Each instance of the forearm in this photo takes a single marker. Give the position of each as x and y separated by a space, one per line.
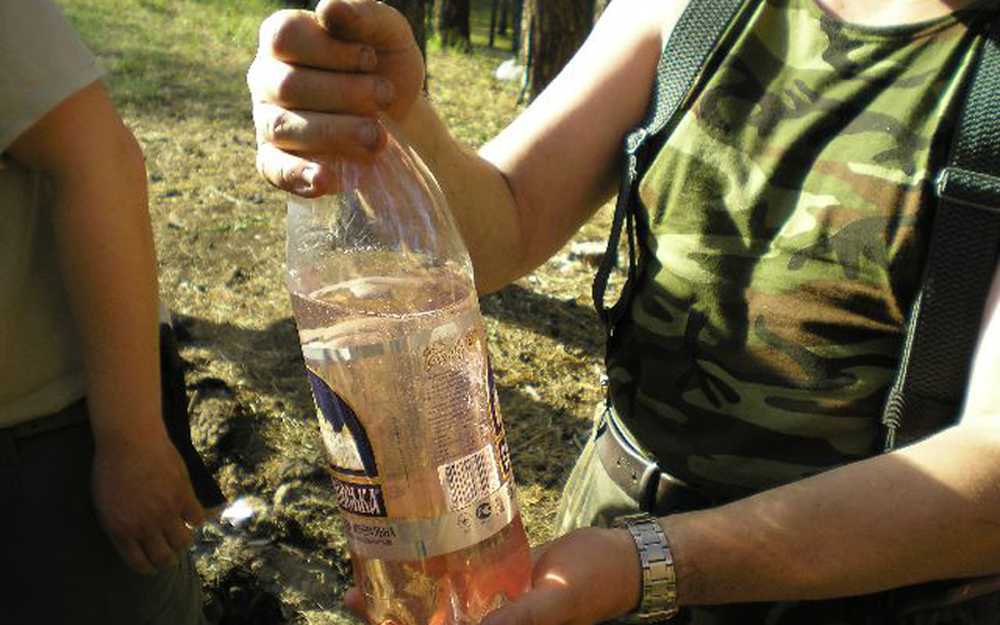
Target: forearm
479 196
527 191
105 248
930 511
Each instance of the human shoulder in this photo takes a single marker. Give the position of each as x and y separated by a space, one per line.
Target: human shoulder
644 19
55 66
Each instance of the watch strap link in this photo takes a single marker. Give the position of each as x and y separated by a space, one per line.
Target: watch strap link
658 600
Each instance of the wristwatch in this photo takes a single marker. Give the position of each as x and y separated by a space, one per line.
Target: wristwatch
658 596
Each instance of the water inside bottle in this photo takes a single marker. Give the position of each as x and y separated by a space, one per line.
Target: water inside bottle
417 450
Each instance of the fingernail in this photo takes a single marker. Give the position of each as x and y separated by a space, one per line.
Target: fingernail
384 91
368 134
347 10
309 174
368 60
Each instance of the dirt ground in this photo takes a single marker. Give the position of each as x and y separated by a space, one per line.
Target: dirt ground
176 71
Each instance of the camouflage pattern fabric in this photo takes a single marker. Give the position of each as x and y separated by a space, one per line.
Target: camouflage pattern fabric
787 217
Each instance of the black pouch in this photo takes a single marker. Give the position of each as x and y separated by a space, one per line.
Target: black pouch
176 419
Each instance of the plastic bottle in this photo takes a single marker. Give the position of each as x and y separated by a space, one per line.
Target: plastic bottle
395 352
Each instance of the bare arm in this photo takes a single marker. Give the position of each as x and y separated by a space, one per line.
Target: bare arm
105 248
537 182
924 512
527 191
930 511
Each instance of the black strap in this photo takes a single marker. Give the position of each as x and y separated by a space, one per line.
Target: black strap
946 317
687 56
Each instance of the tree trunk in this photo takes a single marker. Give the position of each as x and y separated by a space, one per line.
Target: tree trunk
451 21
416 13
493 20
599 6
552 32
517 13
504 19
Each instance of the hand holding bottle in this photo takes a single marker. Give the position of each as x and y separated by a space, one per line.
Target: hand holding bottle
318 83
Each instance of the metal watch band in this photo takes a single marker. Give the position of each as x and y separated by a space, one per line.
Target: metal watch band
658 601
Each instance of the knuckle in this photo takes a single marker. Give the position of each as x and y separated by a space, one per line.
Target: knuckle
261 168
251 77
284 35
328 133
285 85
286 176
256 76
281 125
271 26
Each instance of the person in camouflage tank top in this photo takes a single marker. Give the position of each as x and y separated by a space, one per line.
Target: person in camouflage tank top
775 312
785 224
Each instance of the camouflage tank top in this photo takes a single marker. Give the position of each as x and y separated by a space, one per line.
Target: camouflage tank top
787 221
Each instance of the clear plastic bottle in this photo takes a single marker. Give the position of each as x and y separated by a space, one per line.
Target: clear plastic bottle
395 352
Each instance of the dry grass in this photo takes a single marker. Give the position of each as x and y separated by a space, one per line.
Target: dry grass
176 71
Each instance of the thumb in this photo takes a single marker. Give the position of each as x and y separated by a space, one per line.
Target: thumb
193 512
542 606
365 21
538 551
355 602
191 509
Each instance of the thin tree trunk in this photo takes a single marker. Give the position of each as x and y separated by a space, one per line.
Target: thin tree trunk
517 15
599 6
451 20
493 20
553 30
415 12
504 19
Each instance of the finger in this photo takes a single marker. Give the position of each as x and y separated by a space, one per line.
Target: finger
179 536
293 173
158 551
134 556
542 606
355 602
305 88
305 132
192 513
538 551
367 21
297 37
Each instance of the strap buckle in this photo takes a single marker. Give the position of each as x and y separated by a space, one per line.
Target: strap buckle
641 478
969 188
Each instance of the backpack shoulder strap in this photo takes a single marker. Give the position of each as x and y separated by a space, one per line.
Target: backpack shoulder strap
945 320
689 54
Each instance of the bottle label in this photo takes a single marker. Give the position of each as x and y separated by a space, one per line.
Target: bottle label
425 469
417 539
